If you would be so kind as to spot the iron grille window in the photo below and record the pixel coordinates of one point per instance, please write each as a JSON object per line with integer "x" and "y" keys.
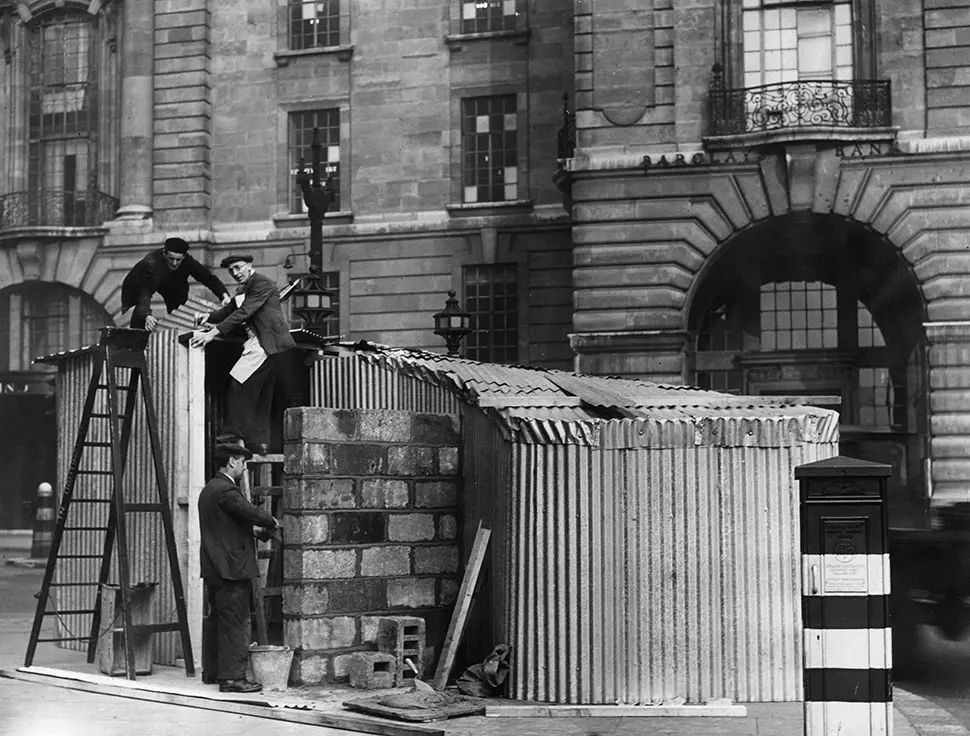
{"x": 300, "y": 138}
{"x": 314, "y": 23}
{"x": 482, "y": 16}
{"x": 492, "y": 301}
{"x": 490, "y": 148}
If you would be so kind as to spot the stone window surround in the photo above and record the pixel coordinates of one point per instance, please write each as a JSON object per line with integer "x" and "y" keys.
{"x": 518, "y": 35}
{"x": 344, "y": 51}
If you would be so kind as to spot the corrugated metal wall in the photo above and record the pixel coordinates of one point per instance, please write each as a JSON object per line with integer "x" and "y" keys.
{"x": 146, "y": 541}
{"x": 348, "y": 382}
{"x": 639, "y": 575}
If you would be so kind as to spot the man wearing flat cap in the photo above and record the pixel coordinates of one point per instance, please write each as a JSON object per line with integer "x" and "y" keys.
{"x": 228, "y": 561}
{"x": 261, "y": 372}
{"x": 165, "y": 271}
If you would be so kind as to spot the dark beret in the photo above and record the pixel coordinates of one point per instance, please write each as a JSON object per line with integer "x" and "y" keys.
{"x": 229, "y": 260}
{"x": 176, "y": 245}
{"x": 233, "y": 449}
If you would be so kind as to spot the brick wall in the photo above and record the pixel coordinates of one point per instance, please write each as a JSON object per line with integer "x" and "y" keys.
{"x": 370, "y": 529}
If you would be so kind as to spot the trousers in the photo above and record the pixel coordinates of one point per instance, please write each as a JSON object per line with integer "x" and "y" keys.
{"x": 249, "y": 405}
{"x": 226, "y": 629}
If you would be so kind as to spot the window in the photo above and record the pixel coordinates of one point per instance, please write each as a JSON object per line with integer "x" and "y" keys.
{"x": 314, "y": 23}
{"x": 799, "y": 315}
{"x": 331, "y": 281}
{"x": 796, "y": 40}
{"x": 300, "y": 138}
{"x": 483, "y": 16}
{"x": 492, "y": 301}
{"x": 490, "y": 148}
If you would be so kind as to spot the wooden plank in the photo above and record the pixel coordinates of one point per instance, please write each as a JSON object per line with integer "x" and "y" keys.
{"x": 373, "y": 706}
{"x": 462, "y": 607}
{"x": 195, "y": 479}
{"x": 226, "y": 703}
{"x": 710, "y": 710}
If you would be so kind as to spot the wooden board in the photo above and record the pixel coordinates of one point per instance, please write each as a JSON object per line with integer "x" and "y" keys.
{"x": 464, "y": 707}
{"x": 711, "y": 710}
{"x": 462, "y": 606}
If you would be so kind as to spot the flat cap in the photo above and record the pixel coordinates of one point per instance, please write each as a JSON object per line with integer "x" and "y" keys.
{"x": 234, "y": 449}
{"x": 176, "y": 245}
{"x": 234, "y": 258}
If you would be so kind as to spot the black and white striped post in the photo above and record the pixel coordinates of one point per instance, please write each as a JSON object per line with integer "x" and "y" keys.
{"x": 845, "y": 598}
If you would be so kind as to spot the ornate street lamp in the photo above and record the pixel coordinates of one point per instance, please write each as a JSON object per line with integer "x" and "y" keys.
{"x": 452, "y": 323}
{"x": 312, "y": 302}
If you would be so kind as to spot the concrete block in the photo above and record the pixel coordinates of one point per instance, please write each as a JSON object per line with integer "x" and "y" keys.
{"x": 403, "y": 637}
{"x": 448, "y": 463}
{"x": 327, "y": 564}
{"x": 447, "y": 527}
{"x": 435, "y": 494}
{"x": 338, "y": 632}
{"x": 384, "y": 494}
{"x": 303, "y": 458}
{"x": 306, "y": 528}
{"x": 369, "y": 626}
{"x": 410, "y": 527}
{"x": 354, "y": 596}
{"x": 410, "y": 461}
{"x": 448, "y": 592}
{"x": 358, "y": 459}
{"x": 358, "y": 527}
{"x": 386, "y": 426}
{"x": 320, "y": 493}
{"x": 340, "y": 665}
{"x": 385, "y": 561}
{"x": 371, "y": 670}
{"x": 309, "y": 669}
{"x": 437, "y": 559}
{"x": 301, "y": 599}
{"x": 309, "y": 423}
{"x": 410, "y": 593}
{"x": 436, "y": 429}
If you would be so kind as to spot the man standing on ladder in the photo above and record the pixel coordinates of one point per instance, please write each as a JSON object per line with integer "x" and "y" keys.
{"x": 228, "y": 561}
{"x": 254, "y": 378}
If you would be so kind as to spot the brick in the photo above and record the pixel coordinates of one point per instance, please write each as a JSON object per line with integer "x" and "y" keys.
{"x": 385, "y": 561}
{"x": 385, "y": 426}
{"x": 436, "y": 429}
{"x": 327, "y": 564}
{"x": 410, "y": 527}
{"x": 306, "y": 598}
{"x": 337, "y": 632}
{"x": 371, "y": 670}
{"x": 410, "y": 593}
{"x": 358, "y": 528}
{"x": 355, "y": 596}
{"x": 410, "y": 461}
{"x": 448, "y": 592}
{"x": 448, "y": 461}
{"x": 384, "y": 494}
{"x": 435, "y": 494}
{"x": 437, "y": 559}
{"x": 301, "y": 458}
{"x": 319, "y": 493}
{"x": 318, "y": 424}
{"x": 309, "y": 669}
{"x": 357, "y": 459}
{"x": 403, "y": 637}
{"x": 306, "y": 528}
{"x": 447, "y": 527}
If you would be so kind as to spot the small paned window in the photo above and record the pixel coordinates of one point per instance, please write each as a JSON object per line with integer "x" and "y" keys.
{"x": 728, "y": 381}
{"x": 492, "y": 301}
{"x": 870, "y": 336}
{"x": 490, "y": 148}
{"x": 799, "y": 315}
{"x": 875, "y": 397}
{"x": 483, "y": 16}
{"x": 314, "y": 24}
{"x": 300, "y": 138}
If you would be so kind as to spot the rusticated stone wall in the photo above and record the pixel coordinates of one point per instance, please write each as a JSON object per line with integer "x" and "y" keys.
{"x": 370, "y": 530}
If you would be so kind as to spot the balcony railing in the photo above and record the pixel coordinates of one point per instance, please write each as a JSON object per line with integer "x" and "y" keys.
{"x": 56, "y": 208}
{"x": 804, "y": 104}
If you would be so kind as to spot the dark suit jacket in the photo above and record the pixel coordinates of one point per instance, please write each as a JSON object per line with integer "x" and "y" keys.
{"x": 226, "y": 522}
{"x": 260, "y": 310}
{"x": 151, "y": 274}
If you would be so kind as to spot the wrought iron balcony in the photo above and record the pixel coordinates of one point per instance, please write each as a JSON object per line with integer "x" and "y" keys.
{"x": 860, "y": 103}
{"x": 56, "y": 208}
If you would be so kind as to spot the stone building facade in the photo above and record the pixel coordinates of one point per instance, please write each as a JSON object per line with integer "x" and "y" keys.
{"x": 762, "y": 196}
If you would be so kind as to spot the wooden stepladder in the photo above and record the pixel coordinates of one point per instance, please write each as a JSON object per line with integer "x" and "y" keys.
{"x": 101, "y": 451}
{"x": 261, "y": 484}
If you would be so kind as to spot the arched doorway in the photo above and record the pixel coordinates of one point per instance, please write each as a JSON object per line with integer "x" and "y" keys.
{"x": 36, "y": 319}
{"x": 816, "y": 305}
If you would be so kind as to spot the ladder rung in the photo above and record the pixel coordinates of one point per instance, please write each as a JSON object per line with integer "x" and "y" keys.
{"x": 119, "y": 387}
{"x": 66, "y": 613}
{"x": 264, "y": 554}
{"x": 266, "y": 491}
{"x": 272, "y": 458}
{"x": 272, "y": 592}
{"x": 99, "y": 415}
{"x": 90, "y": 500}
{"x": 68, "y": 638}
{"x": 85, "y": 528}
{"x": 95, "y": 472}
{"x": 97, "y": 444}
{"x": 143, "y": 507}
{"x": 149, "y": 628}
{"x": 79, "y": 557}
{"x": 72, "y": 585}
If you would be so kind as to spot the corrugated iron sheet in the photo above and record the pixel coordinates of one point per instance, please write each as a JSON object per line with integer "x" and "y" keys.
{"x": 640, "y": 575}
{"x": 146, "y": 541}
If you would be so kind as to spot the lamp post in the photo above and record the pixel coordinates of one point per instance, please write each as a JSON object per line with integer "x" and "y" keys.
{"x": 311, "y": 300}
{"x": 452, "y": 323}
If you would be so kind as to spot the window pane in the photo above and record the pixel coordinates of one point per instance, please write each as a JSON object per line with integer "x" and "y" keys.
{"x": 494, "y": 312}
{"x": 302, "y": 124}
{"x": 490, "y": 149}
{"x": 483, "y": 16}
{"x": 314, "y": 23}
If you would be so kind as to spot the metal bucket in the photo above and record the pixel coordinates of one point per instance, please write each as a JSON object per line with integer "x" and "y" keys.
{"x": 271, "y": 665}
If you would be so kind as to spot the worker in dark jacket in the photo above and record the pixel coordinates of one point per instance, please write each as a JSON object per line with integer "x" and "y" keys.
{"x": 261, "y": 372}
{"x": 228, "y": 562}
{"x": 165, "y": 271}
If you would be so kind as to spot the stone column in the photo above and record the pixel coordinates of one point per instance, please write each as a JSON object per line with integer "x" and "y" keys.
{"x": 949, "y": 399}
{"x": 137, "y": 91}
